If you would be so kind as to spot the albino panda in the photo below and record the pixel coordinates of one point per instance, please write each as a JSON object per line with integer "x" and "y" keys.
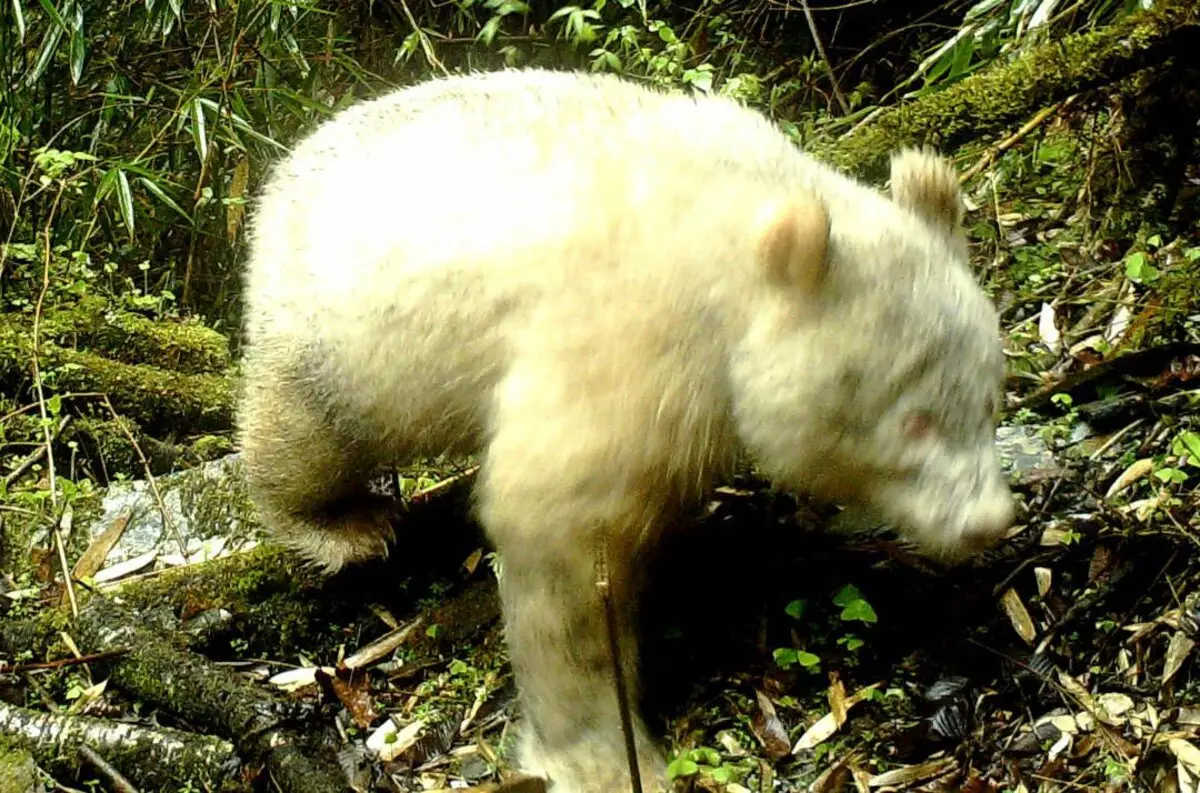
{"x": 609, "y": 292}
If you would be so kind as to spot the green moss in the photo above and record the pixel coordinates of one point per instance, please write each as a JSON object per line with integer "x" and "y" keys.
{"x": 182, "y": 346}
{"x": 994, "y": 98}
{"x": 159, "y": 400}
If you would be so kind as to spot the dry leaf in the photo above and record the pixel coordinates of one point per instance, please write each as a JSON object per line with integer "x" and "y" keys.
{"x": 122, "y": 569}
{"x": 384, "y": 645}
{"x": 1053, "y": 535}
{"x": 1178, "y": 650}
{"x": 1138, "y": 470}
{"x": 912, "y": 774}
{"x": 1114, "y": 706}
{"x": 95, "y": 555}
{"x": 295, "y": 679}
{"x": 390, "y": 740}
{"x": 768, "y": 729}
{"x": 1047, "y": 330}
{"x": 1044, "y": 578}
{"x": 824, "y": 727}
{"x": 353, "y": 691}
{"x": 473, "y": 560}
{"x": 1186, "y": 753}
{"x": 837, "y": 698}
{"x": 1018, "y": 615}
{"x": 235, "y": 210}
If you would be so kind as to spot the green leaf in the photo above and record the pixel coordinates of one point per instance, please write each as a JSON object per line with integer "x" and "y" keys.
{"x": 54, "y": 404}
{"x": 199, "y": 130}
{"x": 77, "y": 49}
{"x": 681, "y": 767}
{"x": 105, "y": 186}
{"x": 161, "y": 195}
{"x": 19, "y": 18}
{"x": 796, "y": 608}
{"x": 847, "y": 595}
{"x": 1187, "y": 442}
{"x": 125, "y": 200}
{"x": 52, "y": 12}
{"x": 854, "y": 605}
{"x": 45, "y": 55}
{"x": 859, "y": 610}
{"x": 785, "y": 657}
{"x": 1170, "y": 475}
{"x": 807, "y": 660}
{"x": 489, "y": 30}
{"x": 1138, "y": 268}
{"x": 723, "y": 775}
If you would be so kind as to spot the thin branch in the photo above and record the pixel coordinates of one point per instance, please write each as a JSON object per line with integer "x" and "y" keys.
{"x": 150, "y": 479}
{"x": 610, "y": 618}
{"x": 119, "y": 783}
{"x": 41, "y": 399}
{"x": 812, "y": 27}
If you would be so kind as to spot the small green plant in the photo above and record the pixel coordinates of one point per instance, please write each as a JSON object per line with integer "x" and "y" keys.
{"x": 787, "y": 657}
{"x": 1139, "y": 269}
{"x": 705, "y": 762}
{"x": 854, "y": 606}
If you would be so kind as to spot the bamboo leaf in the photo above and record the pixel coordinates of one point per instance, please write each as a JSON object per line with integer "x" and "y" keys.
{"x": 199, "y": 130}
{"x": 19, "y": 18}
{"x": 77, "y": 48}
{"x": 157, "y": 191}
{"x": 45, "y": 55}
{"x": 52, "y": 12}
{"x": 125, "y": 200}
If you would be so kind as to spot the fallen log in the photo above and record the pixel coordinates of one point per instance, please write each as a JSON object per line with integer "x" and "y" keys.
{"x": 1006, "y": 93}
{"x": 152, "y": 757}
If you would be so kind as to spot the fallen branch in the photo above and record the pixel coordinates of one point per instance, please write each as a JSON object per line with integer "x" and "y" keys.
{"x": 158, "y": 758}
{"x": 262, "y": 724}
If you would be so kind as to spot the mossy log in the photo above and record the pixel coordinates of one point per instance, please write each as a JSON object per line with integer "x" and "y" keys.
{"x": 161, "y": 401}
{"x": 261, "y": 723}
{"x": 93, "y": 324}
{"x": 1005, "y": 93}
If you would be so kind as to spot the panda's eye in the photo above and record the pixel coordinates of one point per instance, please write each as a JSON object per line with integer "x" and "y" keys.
{"x": 919, "y": 425}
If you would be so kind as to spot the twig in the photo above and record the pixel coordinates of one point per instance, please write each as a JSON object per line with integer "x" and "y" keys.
{"x": 610, "y": 618}
{"x": 119, "y": 782}
{"x": 61, "y": 527}
{"x": 158, "y": 499}
{"x": 36, "y": 456}
{"x": 59, "y": 664}
{"x": 1012, "y": 140}
{"x": 41, "y": 398}
{"x": 812, "y": 28}
{"x": 445, "y": 484}
{"x": 426, "y": 45}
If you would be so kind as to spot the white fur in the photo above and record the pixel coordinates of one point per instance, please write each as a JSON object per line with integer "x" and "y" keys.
{"x": 566, "y": 272}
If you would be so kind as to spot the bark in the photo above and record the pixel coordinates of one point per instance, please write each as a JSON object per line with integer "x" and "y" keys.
{"x": 154, "y": 758}
{"x": 263, "y": 725}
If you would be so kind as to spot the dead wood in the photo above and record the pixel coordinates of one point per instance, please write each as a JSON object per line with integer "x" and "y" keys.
{"x": 264, "y": 727}
{"x": 153, "y": 757}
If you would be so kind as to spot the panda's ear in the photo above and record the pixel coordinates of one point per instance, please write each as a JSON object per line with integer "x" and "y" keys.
{"x": 928, "y": 185}
{"x": 793, "y": 245}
